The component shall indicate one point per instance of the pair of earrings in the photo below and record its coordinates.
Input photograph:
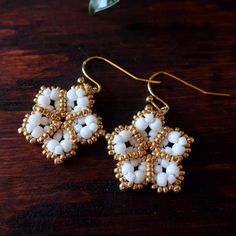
(146, 151)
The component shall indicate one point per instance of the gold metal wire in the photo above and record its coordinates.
(166, 107)
(114, 65)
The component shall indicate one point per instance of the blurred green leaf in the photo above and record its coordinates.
(100, 5)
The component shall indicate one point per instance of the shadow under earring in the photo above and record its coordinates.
(147, 151)
(60, 120)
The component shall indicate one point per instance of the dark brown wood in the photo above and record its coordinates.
(45, 42)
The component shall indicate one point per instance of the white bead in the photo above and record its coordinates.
(80, 92)
(81, 120)
(57, 136)
(133, 141)
(78, 127)
(46, 92)
(141, 124)
(58, 150)
(178, 149)
(158, 169)
(172, 169)
(120, 148)
(164, 163)
(126, 168)
(77, 109)
(149, 118)
(134, 162)
(86, 133)
(117, 139)
(66, 135)
(66, 145)
(153, 133)
(130, 177)
(44, 121)
(156, 125)
(171, 179)
(46, 128)
(44, 101)
(125, 135)
(35, 119)
(54, 95)
(182, 141)
(165, 142)
(70, 103)
(161, 179)
(139, 176)
(29, 127)
(93, 127)
(52, 144)
(57, 104)
(168, 150)
(50, 108)
(90, 119)
(71, 94)
(142, 167)
(37, 132)
(83, 102)
(173, 136)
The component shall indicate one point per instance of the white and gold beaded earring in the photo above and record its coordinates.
(60, 119)
(147, 151)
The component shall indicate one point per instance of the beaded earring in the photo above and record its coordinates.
(60, 119)
(147, 151)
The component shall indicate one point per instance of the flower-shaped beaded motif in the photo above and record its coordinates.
(60, 119)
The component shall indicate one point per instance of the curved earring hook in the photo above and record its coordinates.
(114, 65)
(166, 107)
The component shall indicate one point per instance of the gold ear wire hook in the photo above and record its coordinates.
(166, 107)
(114, 65)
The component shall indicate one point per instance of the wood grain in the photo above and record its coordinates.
(44, 43)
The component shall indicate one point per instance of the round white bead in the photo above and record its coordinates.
(165, 142)
(81, 120)
(161, 179)
(125, 135)
(126, 168)
(29, 127)
(37, 132)
(171, 179)
(46, 92)
(80, 92)
(178, 149)
(58, 150)
(83, 102)
(93, 127)
(70, 103)
(66, 145)
(52, 144)
(66, 135)
(35, 119)
(57, 136)
(182, 141)
(133, 141)
(172, 169)
(90, 119)
(164, 163)
(46, 128)
(157, 169)
(57, 104)
(78, 127)
(156, 125)
(130, 177)
(141, 124)
(142, 167)
(44, 101)
(139, 176)
(117, 139)
(85, 132)
(71, 94)
(77, 109)
(54, 95)
(153, 133)
(50, 108)
(149, 118)
(44, 121)
(173, 136)
(134, 162)
(120, 148)
(168, 150)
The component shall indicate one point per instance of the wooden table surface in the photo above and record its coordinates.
(44, 43)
